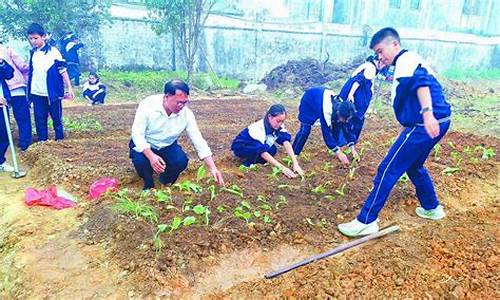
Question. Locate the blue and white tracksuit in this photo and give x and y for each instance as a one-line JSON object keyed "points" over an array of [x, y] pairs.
{"points": [[256, 139], [364, 76], [6, 73], [412, 147], [317, 103]]}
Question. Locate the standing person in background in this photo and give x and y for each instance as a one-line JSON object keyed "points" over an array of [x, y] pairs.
{"points": [[94, 91], [18, 98], [46, 80], [73, 60]]}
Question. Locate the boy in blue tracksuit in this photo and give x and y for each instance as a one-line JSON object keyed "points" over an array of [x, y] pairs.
{"points": [[6, 73], [256, 143], [333, 114], [46, 80], [421, 108], [359, 90]]}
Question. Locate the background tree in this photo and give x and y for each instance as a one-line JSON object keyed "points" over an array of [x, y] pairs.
{"points": [[184, 19]]}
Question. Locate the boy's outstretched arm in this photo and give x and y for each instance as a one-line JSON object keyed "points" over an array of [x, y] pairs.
{"points": [[353, 90], [430, 123]]}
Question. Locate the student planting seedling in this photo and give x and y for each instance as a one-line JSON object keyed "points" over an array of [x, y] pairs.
{"points": [[256, 143], [333, 114]]}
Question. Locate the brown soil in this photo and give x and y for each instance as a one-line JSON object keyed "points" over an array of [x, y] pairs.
{"points": [[456, 257]]}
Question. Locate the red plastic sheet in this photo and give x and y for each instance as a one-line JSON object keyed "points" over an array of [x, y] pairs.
{"points": [[47, 197], [101, 186]]}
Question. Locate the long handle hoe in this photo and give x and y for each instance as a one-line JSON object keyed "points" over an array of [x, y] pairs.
{"points": [[17, 173]]}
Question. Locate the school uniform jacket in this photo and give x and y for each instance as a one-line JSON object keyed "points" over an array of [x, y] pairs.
{"points": [[364, 76], [317, 103], [410, 73], [55, 83], [91, 89], [258, 138]]}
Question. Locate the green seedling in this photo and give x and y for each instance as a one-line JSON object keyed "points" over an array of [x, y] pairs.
{"points": [[404, 178], [327, 166], [265, 206], [320, 189], [281, 201], [164, 196], [330, 197], [437, 151], [246, 169], [175, 224], [266, 219], [352, 172], [188, 186], [361, 152], [140, 210], [221, 208], [242, 213], [288, 161], [448, 171], [188, 221], [341, 190], [187, 206], [201, 173], [234, 189], [275, 172], [305, 156], [310, 174], [347, 151], [157, 242], [262, 199], [455, 156], [213, 192], [202, 211], [486, 153], [245, 204], [452, 146], [145, 194], [257, 213]]}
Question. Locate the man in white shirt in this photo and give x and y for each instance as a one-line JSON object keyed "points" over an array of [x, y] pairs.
{"points": [[159, 120]]}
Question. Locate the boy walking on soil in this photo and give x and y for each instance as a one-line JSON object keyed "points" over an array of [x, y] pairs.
{"points": [[46, 80], [421, 108]]}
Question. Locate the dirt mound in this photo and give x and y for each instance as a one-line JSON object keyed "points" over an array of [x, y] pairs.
{"points": [[307, 73]]}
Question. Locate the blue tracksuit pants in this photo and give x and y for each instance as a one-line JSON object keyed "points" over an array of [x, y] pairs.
{"points": [[408, 154]]}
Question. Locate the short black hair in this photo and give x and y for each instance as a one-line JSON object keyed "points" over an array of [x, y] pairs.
{"points": [[382, 34], [276, 110], [346, 109], [36, 28], [175, 84]]}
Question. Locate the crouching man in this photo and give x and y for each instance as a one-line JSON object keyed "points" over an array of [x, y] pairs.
{"points": [[159, 120]]}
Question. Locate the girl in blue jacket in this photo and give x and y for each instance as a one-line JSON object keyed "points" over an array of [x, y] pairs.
{"points": [[256, 143], [359, 90]]}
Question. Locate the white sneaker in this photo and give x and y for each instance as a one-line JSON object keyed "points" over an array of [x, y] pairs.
{"points": [[5, 167], [356, 228], [432, 214]]}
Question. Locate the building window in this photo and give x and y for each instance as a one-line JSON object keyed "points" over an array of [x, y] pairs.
{"points": [[340, 12], [415, 4], [395, 3], [471, 8]]}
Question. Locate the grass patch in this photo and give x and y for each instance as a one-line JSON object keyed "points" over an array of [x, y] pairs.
{"points": [[135, 85], [76, 125], [464, 74]]}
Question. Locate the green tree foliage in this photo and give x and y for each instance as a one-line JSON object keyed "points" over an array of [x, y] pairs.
{"points": [[184, 19], [80, 16]]}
